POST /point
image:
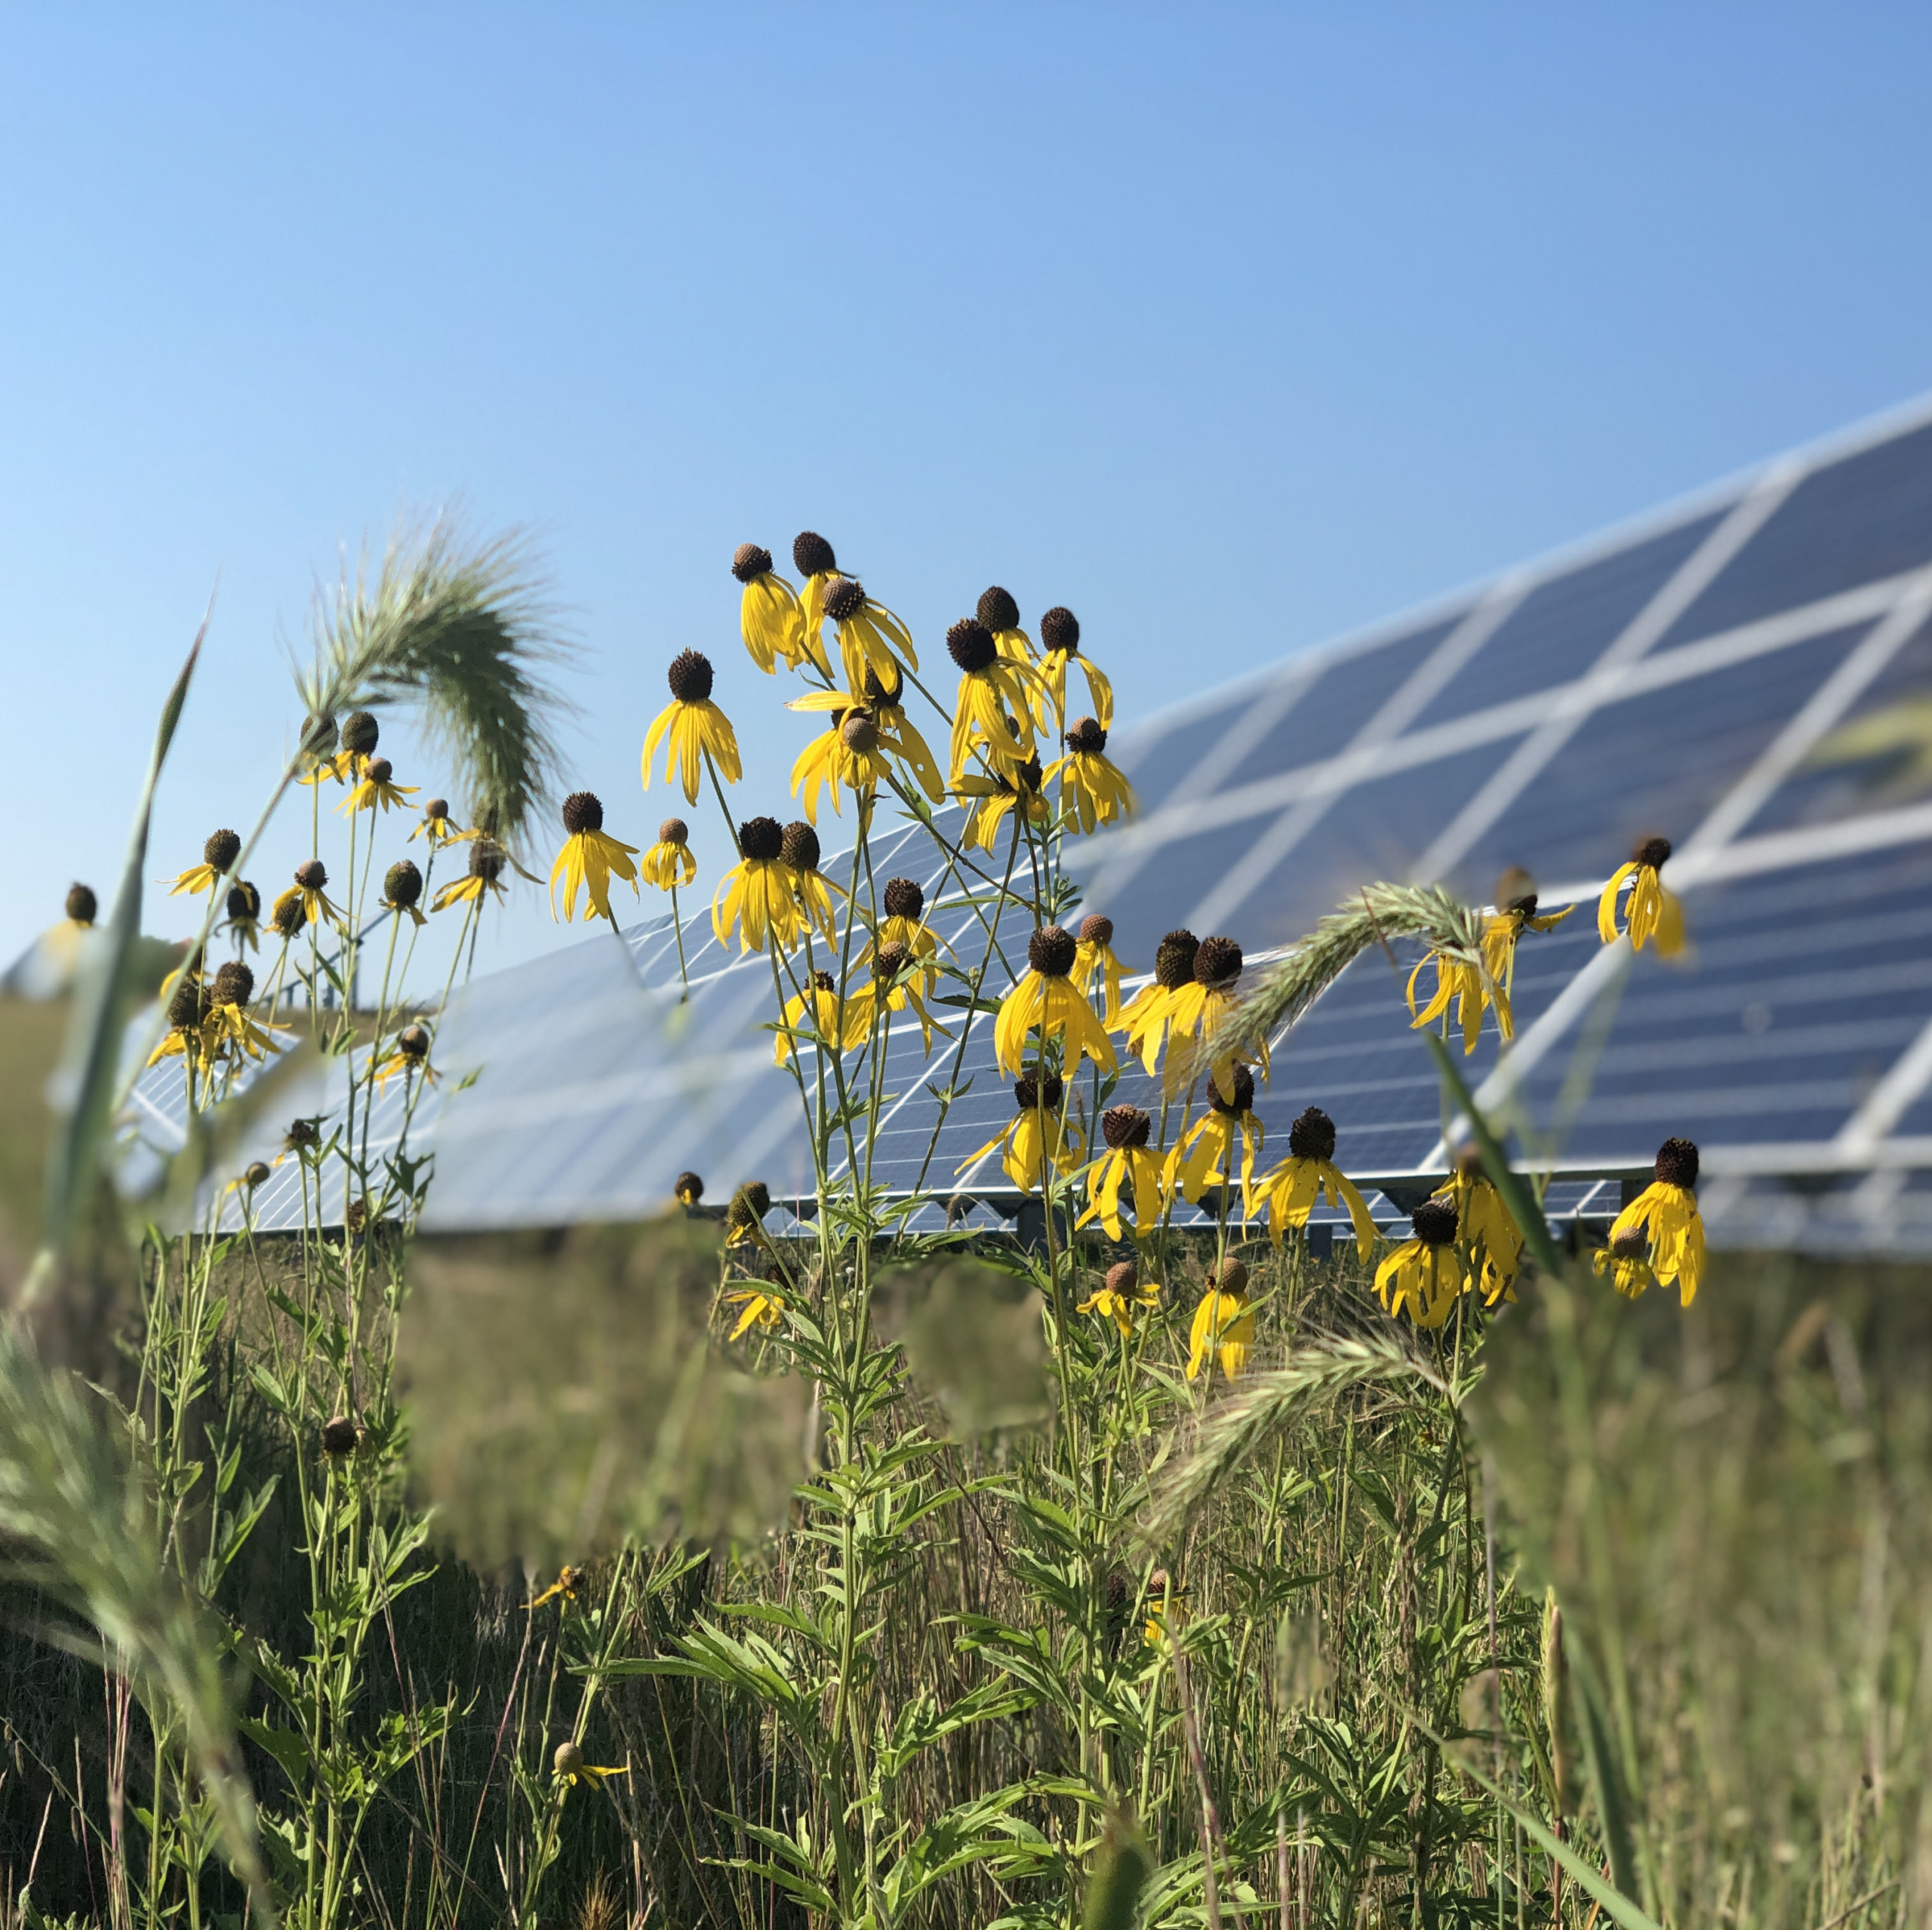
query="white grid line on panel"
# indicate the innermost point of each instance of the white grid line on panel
(1692, 577)
(1888, 1101)
(1361, 759)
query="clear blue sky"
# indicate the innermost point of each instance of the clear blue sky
(1233, 327)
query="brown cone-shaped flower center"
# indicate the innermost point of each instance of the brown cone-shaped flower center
(1230, 1277)
(1634, 1245)
(1096, 930)
(319, 736)
(1123, 1276)
(221, 850)
(749, 561)
(824, 982)
(244, 901)
(1652, 852)
(1050, 951)
(904, 898)
(1434, 1222)
(689, 677)
(1174, 959)
(970, 644)
(674, 831)
(799, 847)
(890, 960)
(760, 839)
(1030, 1093)
(859, 734)
(1125, 1126)
(380, 770)
(486, 859)
(339, 1436)
(1086, 737)
(1313, 1136)
(844, 599)
(877, 692)
(688, 1188)
(997, 609)
(413, 1042)
(583, 811)
(1524, 907)
(258, 1171)
(1029, 775)
(186, 1004)
(402, 884)
(1244, 1098)
(359, 732)
(234, 984)
(437, 807)
(1218, 962)
(1677, 1162)
(83, 906)
(811, 554)
(289, 914)
(567, 1759)
(301, 1133)
(751, 1201)
(311, 874)
(1059, 630)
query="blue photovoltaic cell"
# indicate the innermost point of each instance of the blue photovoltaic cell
(1561, 627)
(1854, 521)
(1657, 763)
(1329, 713)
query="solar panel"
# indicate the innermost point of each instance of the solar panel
(1678, 677)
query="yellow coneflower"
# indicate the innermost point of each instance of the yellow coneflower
(228, 1032)
(770, 617)
(1164, 1608)
(61, 943)
(1092, 789)
(991, 712)
(894, 980)
(1459, 980)
(1196, 1010)
(569, 1581)
(1223, 1325)
(1485, 1228)
(885, 703)
(290, 915)
(316, 755)
(187, 1008)
(1120, 1297)
(1652, 912)
(438, 827)
(904, 924)
(744, 1218)
(1095, 959)
(218, 854)
(1035, 1136)
(376, 790)
(571, 1768)
(303, 1142)
(1627, 1261)
(359, 735)
(1666, 1210)
(1046, 999)
(486, 860)
(590, 857)
(670, 861)
(1203, 1156)
(1129, 1162)
(1424, 1276)
(1515, 913)
(687, 1189)
(818, 570)
(764, 1307)
(246, 1182)
(1308, 1176)
(756, 896)
(82, 907)
(411, 1056)
(820, 998)
(1144, 1017)
(402, 891)
(244, 916)
(691, 726)
(798, 850)
(870, 636)
(312, 880)
(846, 755)
(999, 793)
(1060, 637)
(1001, 614)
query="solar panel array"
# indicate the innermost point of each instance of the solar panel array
(1675, 678)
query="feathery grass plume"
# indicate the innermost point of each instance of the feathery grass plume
(78, 1525)
(1285, 990)
(465, 630)
(1261, 1406)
